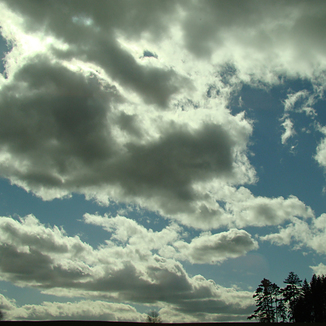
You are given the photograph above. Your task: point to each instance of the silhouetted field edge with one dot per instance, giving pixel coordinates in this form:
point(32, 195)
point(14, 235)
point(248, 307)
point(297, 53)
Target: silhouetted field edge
point(118, 323)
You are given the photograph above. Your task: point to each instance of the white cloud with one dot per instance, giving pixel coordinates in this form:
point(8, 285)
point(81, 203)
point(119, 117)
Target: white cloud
point(319, 269)
point(320, 156)
point(29, 232)
point(301, 233)
point(208, 248)
point(123, 270)
point(299, 102)
point(321, 153)
point(289, 130)
point(169, 242)
point(285, 38)
point(244, 209)
point(293, 98)
point(80, 310)
point(107, 311)
point(6, 306)
point(177, 316)
point(126, 230)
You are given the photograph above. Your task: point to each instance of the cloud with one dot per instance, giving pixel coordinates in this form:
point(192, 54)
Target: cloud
point(85, 24)
point(301, 233)
point(320, 156)
point(319, 269)
point(131, 102)
point(64, 134)
point(242, 208)
point(254, 34)
point(289, 131)
point(104, 311)
point(124, 269)
point(6, 305)
point(127, 231)
point(30, 232)
point(208, 248)
point(73, 132)
point(301, 99)
point(80, 310)
point(83, 111)
point(177, 316)
point(299, 102)
point(321, 153)
point(34, 255)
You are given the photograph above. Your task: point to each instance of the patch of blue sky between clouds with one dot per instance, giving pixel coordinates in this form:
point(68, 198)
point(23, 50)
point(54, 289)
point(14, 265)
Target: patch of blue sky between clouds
point(4, 49)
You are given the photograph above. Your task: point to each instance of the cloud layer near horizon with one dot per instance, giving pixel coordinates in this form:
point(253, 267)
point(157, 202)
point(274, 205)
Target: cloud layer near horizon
point(124, 269)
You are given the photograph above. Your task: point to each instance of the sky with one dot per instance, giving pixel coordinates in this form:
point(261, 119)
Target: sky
point(163, 155)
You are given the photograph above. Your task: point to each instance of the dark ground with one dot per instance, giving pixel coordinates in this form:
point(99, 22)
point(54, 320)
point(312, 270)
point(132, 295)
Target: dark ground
point(107, 323)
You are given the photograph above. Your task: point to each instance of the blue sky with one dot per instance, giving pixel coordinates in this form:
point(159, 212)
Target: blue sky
point(162, 155)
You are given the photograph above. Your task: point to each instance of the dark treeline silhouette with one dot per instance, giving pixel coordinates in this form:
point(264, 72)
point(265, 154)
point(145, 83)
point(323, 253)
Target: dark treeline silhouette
point(153, 317)
point(296, 302)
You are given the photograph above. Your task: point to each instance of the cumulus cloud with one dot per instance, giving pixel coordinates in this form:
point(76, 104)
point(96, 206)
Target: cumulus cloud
point(38, 256)
point(319, 269)
point(321, 153)
point(169, 242)
point(118, 104)
point(6, 305)
point(131, 102)
point(320, 156)
point(256, 37)
point(122, 270)
point(242, 208)
point(251, 30)
point(63, 133)
point(265, 211)
point(301, 233)
point(81, 310)
point(106, 311)
point(211, 248)
point(127, 231)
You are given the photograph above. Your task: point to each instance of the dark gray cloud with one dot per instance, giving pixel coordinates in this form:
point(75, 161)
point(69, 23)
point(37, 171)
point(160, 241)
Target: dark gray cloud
point(177, 159)
point(254, 24)
point(154, 85)
point(126, 15)
point(51, 120)
point(58, 131)
point(96, 42)
point(54, 117)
